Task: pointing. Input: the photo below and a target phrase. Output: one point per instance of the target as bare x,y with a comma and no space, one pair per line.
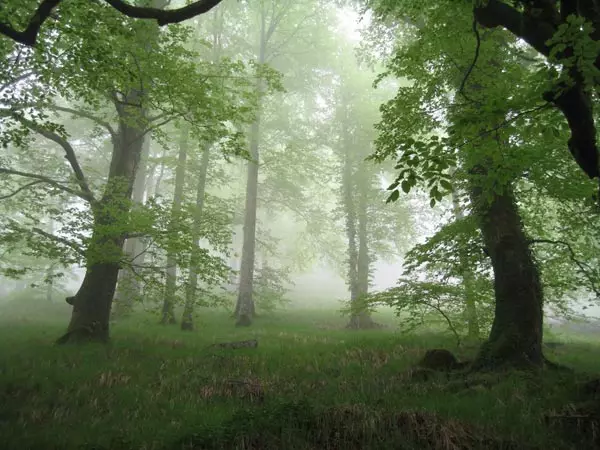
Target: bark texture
128,286
516,335
93,301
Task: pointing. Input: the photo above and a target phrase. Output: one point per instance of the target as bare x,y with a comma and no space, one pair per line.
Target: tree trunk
50,270
245,303
361,316
516,335
187,320
467,276
168,313
159,176
128,286
245,308
93,301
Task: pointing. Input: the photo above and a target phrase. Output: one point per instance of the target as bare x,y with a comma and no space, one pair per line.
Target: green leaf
393,196
446,185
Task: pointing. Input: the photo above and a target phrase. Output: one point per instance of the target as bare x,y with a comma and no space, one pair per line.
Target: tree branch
12,194
69,153
164,16
42,179
71,245
583,267
85,115
536,33
472,66
29,35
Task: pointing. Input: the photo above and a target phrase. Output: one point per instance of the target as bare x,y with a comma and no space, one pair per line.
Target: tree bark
245,304
128,286
187,320
93,301
516,335
168,313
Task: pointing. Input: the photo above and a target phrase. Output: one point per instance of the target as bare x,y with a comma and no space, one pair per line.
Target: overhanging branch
29,35
28,185
69,153
86,115
164,16
71,245
40,179
583,267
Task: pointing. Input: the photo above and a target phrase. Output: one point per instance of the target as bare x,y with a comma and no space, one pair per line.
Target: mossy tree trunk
516,335
92,302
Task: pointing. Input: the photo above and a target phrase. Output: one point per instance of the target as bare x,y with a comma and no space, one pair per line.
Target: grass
310,384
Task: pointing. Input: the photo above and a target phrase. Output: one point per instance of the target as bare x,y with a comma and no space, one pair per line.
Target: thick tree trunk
93,301
128,286
187,320
168,313
467,276
516,335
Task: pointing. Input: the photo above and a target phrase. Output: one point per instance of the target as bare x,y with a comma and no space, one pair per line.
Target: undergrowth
310,384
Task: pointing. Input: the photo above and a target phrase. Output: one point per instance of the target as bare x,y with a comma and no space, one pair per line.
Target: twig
69,153
62,240
42,179
472,66
582,266
12,194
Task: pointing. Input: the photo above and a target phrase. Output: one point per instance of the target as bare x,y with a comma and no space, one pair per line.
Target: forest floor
310,384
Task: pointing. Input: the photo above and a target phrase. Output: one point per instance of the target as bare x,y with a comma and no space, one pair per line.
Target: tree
168,313
272,41
141,105
479,151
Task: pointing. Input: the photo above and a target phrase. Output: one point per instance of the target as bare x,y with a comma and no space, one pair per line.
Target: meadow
310,384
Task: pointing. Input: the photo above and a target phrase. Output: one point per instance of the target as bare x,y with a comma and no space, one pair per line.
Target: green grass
310,384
